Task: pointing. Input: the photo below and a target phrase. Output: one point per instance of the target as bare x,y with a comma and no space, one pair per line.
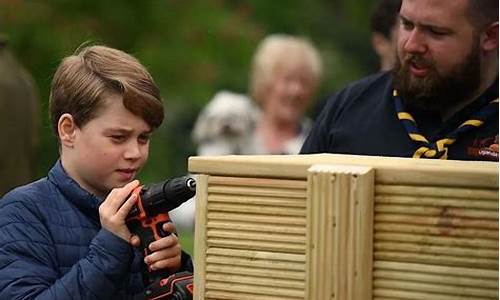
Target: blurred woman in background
285,75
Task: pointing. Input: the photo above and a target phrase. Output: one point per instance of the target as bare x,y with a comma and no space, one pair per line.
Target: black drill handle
149,233
149,230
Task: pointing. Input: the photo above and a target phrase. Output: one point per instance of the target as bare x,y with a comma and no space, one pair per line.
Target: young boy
64,236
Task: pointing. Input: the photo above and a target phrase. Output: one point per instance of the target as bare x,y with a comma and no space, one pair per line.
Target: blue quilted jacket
53,247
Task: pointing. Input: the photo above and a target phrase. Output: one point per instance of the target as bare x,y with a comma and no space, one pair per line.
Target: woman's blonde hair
276,51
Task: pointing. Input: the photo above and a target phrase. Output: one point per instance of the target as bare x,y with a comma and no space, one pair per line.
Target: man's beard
437,93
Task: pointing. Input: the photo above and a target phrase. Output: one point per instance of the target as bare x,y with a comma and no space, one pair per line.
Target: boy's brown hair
83,80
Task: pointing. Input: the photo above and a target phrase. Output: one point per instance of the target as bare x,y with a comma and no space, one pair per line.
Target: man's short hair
83,80
483,13
385,16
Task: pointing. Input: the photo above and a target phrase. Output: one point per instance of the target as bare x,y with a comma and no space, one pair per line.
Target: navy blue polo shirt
362,120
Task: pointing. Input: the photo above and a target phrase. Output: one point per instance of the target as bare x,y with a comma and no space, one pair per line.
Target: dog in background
226,125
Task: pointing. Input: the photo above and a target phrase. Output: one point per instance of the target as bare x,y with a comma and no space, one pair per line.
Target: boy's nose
133,151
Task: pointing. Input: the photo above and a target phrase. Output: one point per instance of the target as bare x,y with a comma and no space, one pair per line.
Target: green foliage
192,48
186,239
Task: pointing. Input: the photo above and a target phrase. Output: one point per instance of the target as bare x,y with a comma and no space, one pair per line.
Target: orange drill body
146,220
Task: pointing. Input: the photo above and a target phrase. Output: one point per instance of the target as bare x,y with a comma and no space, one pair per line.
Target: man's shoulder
374,81
367,90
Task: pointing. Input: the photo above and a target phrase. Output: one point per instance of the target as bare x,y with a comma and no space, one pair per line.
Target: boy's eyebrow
117,130
123,131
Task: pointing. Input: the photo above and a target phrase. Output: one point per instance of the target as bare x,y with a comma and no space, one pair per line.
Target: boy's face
109,150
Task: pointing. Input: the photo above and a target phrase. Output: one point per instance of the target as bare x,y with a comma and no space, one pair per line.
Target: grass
187,241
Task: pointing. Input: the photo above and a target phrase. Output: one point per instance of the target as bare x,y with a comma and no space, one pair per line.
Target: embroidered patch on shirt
484,149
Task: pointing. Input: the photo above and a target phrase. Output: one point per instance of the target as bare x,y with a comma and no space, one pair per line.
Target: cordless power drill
146,219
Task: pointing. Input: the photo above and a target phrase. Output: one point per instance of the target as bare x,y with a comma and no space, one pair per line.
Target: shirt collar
74,193
489,95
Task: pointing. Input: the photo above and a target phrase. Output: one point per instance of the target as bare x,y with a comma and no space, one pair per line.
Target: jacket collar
73,192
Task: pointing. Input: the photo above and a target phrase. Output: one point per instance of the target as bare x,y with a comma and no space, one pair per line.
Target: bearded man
439,101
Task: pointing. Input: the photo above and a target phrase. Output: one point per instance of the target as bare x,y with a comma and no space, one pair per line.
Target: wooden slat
435,288
257,255
260,290
257,182
256,236
256,245
257,219
443,260
264,228
445,221
406,199
218,295
339,246
454,192
254,209
443,212
418,248
255,281
387,293
270,264
269,201
446,231
255,191
200,246
253,271
437,269
455,280
388,169
471,243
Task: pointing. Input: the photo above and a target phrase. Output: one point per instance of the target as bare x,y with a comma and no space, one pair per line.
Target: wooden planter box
345,227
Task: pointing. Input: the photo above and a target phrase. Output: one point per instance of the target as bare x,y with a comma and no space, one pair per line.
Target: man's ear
380,44
66,129
489,38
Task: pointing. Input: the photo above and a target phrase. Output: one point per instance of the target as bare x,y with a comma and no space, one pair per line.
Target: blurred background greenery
192,48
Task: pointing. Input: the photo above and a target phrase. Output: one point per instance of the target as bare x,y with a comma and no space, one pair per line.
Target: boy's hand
115,208
166,252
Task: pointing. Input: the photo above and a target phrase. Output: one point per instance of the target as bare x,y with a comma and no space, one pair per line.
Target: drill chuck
165,196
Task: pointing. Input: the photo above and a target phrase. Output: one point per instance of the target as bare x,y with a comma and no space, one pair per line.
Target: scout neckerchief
439,148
